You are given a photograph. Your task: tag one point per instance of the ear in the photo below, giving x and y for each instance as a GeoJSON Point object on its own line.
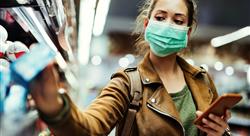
{"type": "Point", "coordinates": [189, 32]}
{"type": "Point", "coordinates": [145, 24]}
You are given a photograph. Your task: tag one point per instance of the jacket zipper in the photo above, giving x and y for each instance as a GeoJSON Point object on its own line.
{"type": "Point", "coordinates": [151, 107]}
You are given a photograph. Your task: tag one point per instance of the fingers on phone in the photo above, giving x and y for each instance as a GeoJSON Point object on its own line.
{"type": "Point", "coordinates": [198, 113]}
{"type": "Point", "coordinates": [217, 120]}
{"type": "Point", "coordinates": [206, 130]}
{"type": "Point", "coordinates": [211, 125]}
{"type": "Point", "coordinates": [227, 115]}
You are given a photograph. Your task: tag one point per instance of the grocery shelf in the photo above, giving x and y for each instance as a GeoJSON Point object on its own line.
{"type": "Point", "coordinates": [46, 22]}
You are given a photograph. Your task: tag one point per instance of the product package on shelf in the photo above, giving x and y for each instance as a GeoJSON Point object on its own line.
{"type": "Point", "coordinates": [18, 66]}
{"type": "Point", "coordinates": [15, 102]}
{"type": "Point", "coordinates": [22, 62]}
{"type": "Point", "coordinates": [4, 82]}
{"type": "Point", "coordinates": [23, 70]}
{"type": "Point", "coordinates": [3, 34]}
{"type": "Point", "coordinates": [31, 64]}
{"type": "Point", "coordinates": [12, 96]}
{"type": "Point", "coordinates": [15, 90]}
{"type": "Point", "coordinates": [4, 67]}
{"type": "Point", "coordinates": [15, 50]}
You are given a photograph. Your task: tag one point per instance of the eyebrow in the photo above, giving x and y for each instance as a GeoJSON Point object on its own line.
{"type": "Point", "coordinates": [179, 14]}
{"type": "Point", "coordinates": [165, 12]}
{"type": "Point", "coordinates": [161, 11]}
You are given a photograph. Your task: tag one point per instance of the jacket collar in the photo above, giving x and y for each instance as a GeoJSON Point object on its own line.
{"type": "Point", "coordinates": [200, 90]}
{"type": "Point", "coordinates": [150, 76]}
{"type": "Point", "coordinates": [147, 71]}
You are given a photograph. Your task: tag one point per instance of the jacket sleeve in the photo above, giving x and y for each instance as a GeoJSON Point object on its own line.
{"type": "Point", "coordinates": [100, 117]}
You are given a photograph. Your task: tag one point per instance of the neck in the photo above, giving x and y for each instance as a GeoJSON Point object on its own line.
{"type": "Point", "coordinates": [166, 64]}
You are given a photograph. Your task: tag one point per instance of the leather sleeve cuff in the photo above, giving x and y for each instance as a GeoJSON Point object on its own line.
{"type": "Point", "coordinates": [60, 116]}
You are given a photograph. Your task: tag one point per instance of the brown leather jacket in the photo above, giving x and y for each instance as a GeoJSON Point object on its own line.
{"type": "Point", "coordinates": [157, 115]}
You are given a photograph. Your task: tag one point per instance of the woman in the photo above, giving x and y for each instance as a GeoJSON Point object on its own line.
{"type": "Point", "coordinates": [173, 90]}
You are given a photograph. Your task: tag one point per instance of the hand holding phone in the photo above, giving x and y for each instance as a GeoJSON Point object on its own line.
{"type": "Point", "coordinates": [219, 106]}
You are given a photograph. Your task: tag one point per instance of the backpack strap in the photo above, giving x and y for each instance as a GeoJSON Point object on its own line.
{"type": "Point", "coordinates": [136, 95]}
{"type": "Point", "coordinates": [135, 86]}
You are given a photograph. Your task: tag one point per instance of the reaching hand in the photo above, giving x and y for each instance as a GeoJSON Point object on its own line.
{"type": "Point", "coordinates": [44, 91]}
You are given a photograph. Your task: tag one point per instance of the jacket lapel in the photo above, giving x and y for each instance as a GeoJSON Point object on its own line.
{"type": "Point", "coordinates": [161, 100]}
{"type": "Point", "coordinates": [200, 92]}
{"type": "Point", "coordinates": [196, 80]}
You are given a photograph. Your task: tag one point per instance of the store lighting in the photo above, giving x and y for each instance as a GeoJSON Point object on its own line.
{"type": "Point", "coordinates": [100, 17]}
{"type": "Point", "coordinates": [96, 60]}
{"type": "Point", "coordinates": [218, 66]}
{"type": "Point", "coordinates": [205, 66]}
{"type": "Point", "coordinates": [124, 62]}
{"type": "Point", "coordinates": [87, 12]}
{"type": "Point", "coordinates": [229, 71]}
{"type": "Point", "coordinates": [22, 1]}
{"type": "Point", "coordinates": [190, 61]}
{"type": "Point", "coordinates": [248, 75]}
{"type": "Point", "coordinates": [222, 40]}
{"type": "Point", "coordinates": [131, 58]}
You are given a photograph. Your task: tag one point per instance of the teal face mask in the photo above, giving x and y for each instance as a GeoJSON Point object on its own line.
{"type": "Point", "coordinates": [165, 39]}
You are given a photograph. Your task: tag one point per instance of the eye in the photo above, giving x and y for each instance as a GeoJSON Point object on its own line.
{"type": "Point", "coordinates": [179, 22]}
{"type": "Point", "coordinates": [160, 18]}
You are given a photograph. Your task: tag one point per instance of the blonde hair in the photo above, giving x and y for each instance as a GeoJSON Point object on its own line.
{"type": "Point", "coordinates": [145, 12]}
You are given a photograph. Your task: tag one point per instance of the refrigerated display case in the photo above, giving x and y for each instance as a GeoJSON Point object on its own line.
{"type": "Point", "coordinates": [46, 23]}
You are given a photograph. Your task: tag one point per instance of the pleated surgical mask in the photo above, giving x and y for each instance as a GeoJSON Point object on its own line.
{"type": "Point", "coordinates": [165, 38]}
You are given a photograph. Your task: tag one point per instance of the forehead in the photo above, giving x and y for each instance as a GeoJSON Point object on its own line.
{"type": "Point", "coordinates": [174, 6]}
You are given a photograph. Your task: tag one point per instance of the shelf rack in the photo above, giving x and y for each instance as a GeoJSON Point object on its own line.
{"type": "Point", "coordinates": [46, 20]}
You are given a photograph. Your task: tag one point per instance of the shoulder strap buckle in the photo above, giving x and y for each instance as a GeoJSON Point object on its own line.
{"type": "Point", "coordinates": [135, 87]}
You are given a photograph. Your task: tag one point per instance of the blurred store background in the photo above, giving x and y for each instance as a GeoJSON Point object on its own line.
{"type": "Point", "coordinates": [99, 38]}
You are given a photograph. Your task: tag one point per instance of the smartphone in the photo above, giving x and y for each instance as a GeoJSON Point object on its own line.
{"type": "Point", "coordinates": [219, 106]}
